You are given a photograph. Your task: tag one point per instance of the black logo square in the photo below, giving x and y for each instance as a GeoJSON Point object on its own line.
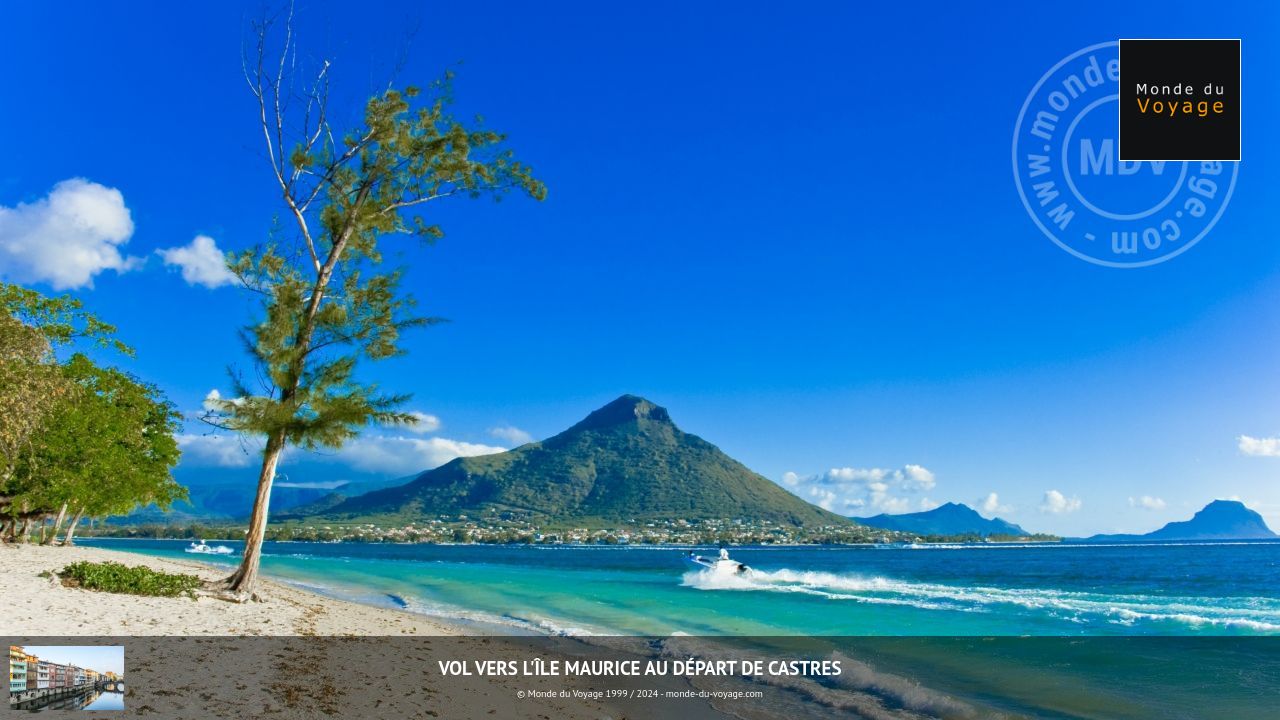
{"type": "Point", "coordinates": [1179, 100]}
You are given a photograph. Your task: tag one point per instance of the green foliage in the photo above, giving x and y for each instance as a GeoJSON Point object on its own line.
{"type": "Point", "coordinates": [625, 463]}
{"type": "Point", "coordinates": [30, 387]}
{"type": "Point", "coordinates": [106, 448]}
{"type": "Point", "coordinates": [62, 320]}
{"type": "Point", "coordinates": [118, 578]}
{"type": "Point", "coordinates": [75, 437]}
{"type": "Point", "coordinates": [329, 300]}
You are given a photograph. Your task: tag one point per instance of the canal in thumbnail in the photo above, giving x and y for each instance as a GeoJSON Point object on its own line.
{"type": "Point", "coordinates": [91, 700]}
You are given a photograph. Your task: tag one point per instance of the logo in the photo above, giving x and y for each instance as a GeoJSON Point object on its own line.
{"type": "Point", "coordinates": [1107, 211]}
{"type": "Point", "coordinates": [1180, 100]}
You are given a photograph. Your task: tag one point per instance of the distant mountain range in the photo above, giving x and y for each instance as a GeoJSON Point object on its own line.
{"type": "Point", "coordinates": [1219, 520]}
{"type": "Point", "coordinates": [626, 462]}
{"type": "Point", "coordinates": [948, 519]}
{"type": "Point", "coordinates": [225, 500]}
{"type": "Point", "coordinates": [629, 463]}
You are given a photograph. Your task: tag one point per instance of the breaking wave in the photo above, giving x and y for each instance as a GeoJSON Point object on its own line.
{"type": "Point", "coordinates": [1155, 613]}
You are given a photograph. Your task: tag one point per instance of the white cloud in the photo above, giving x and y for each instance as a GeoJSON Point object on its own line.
{"type": "Point", "coordinates": [388, 454]}
{"type": "Point", "coordinates": [201, 261]}
{"type": "Point", "coordinates": [396, 455]}
{"type": "Point", "coordinates": [511, 434]}
{"type": "Point", "coordinates": [323, 485]}
{"type": "Point", "coordinates": [1147, 502]}
{"type": "Point", "coordinates": [214, 402]}
{"type": "Point", "coordinates": [865, 491]}
{"type": "Point", "coordinates": [1260, 447]}
{"type": "Point", "coordinates": [919, 478]}
{"type": "Point", "coordinates": [66, 238]}
{"type": "Point", "coordinates": [991, 505]}
{"type": "Point", "coordinates": [223, 450]}
{"type": "Point", "coordinates": [426, 423]}
{"type": "Point", "coordinates": [1058, 504]}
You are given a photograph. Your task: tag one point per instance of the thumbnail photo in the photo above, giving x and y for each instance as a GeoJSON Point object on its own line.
{"type": "Point", "coordinates": [66, 677]}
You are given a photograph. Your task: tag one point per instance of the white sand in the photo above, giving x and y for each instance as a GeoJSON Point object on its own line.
{"type": "Point", "coordinates": [32, 605]}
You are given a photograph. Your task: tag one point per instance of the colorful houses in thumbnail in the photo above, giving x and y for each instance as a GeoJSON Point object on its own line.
{"type": "Point", "coordinates": [17, 669]}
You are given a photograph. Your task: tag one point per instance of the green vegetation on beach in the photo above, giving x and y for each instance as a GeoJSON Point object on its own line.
{"type": "Point", "coordinates": [118, 578]}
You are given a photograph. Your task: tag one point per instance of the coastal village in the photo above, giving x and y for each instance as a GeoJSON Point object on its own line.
{"type": "Point", "coordinates": [31, 678]}
{"type": "Point", "coordinates": [502, 529]}
{"type": "Point", "coordinates": [466, 530]}
{"type": "Point", "coordinates": [497, 530]}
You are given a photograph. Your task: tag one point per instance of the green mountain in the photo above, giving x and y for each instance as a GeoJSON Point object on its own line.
{"type": "Point", "coordinates": [624, 463]}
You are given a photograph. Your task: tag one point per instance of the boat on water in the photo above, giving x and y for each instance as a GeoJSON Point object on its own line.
{"type": "Point", "coordinates": [719, 565]}
{"type": "Point", "coordinates": [203, 548]}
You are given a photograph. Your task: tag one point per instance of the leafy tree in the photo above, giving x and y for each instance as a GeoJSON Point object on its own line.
{"type": "Point", "coordinates": [74, 436]}
{"type": "Point", "coordinates": [31, 326]}
{"type": "Point", "coordinates": [329, 300]}
{"type": "Point", "coordinates": [107, 448]}
{"type": "Point", "coordinates": [61, 320]}
{"type": "Point", "coordinates": [29, 389]}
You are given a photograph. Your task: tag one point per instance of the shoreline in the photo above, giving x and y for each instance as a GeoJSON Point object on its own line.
{"type": "Point", "coordinates": [189, 654]}
{"type": "Point", "coordinates": [325, 655]}
{"type": "Point", "coordinates": [41, 606]}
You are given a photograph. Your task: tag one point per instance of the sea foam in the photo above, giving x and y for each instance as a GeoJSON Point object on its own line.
{"type": "Point", "coordinates": [1152, 613]}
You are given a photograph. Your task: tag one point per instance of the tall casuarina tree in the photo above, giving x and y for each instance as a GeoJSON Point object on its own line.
{"type": "Point", "coordinates": [328, 299]}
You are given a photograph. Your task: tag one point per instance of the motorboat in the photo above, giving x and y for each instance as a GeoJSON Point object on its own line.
{"type": "Point", "coordinates": [203, 548]}
{"type": "Point", "coordinates": [723, 564]}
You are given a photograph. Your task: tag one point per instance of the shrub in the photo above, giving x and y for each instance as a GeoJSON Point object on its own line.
{"type": "Point", "coordinates": [117, 578]}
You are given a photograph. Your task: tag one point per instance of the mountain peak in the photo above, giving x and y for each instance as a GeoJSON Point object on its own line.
{"type": "Point", "coordinates": [1219, 520]}
{"type": "Point", "coordinates": [625, 409]}
{"type": "Point", "coordinates": [948, 519]}
{"type": "Point", "coordinates": [624, 463]}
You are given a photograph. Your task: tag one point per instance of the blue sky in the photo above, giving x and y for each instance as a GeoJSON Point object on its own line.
{"type": "Point", "coordinates": [794, 227]}
{"type": "Point", "coordinates": [103, 658]}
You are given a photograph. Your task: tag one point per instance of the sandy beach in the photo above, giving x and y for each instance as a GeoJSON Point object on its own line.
{"type": "Point", "coordinates": [297, 654]}
{"type": "Point", "coordinates": [34, 605]}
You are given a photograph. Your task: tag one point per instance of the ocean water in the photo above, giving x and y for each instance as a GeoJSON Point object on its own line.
{"type": "Point", "coordinates": [1181, 589]}
{"type": "Point", "coordinates": [1052, 632]}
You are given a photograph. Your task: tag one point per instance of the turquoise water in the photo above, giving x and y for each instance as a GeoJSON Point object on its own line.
{"type": "Point", "coordinates": [981, 590]}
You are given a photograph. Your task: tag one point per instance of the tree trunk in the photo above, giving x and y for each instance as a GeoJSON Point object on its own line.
{"type": "Point", "coordinates": [57, 526]}
{"type": "Point", "coordinates": [25, 533]}
{"type": "Point", "coordinates": [71, 529]}
{"type": "Point", "coordinates": [244, 579]}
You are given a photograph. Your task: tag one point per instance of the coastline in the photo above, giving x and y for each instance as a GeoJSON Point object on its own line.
{"type": "Point", "coordinates": [314, 654]}
{"type": "Point", "coordinates": [188, 655]}
{"type": "Point", "coordinates": [34, 605]}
